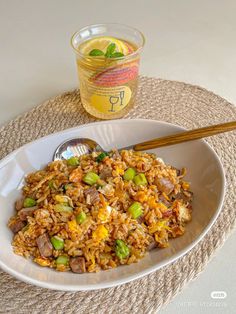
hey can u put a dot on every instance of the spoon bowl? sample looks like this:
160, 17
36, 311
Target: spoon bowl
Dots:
76, 147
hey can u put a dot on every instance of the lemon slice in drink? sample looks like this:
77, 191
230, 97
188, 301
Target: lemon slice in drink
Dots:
102, 43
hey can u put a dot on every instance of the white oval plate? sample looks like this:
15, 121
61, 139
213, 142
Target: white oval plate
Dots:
205, 173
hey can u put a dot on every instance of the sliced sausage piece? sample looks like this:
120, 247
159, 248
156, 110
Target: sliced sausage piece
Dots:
92, 195
105, 173
164, 185
44, 245
25, 212
16, 225
19, 204
77, 265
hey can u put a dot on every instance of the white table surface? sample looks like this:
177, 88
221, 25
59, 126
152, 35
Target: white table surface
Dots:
187, 40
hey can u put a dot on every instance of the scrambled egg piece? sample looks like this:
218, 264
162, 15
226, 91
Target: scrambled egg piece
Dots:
185, 185
104, 213
61, 198
152, 202
42, 261
158, 226
73, 226
141, 196
100, 233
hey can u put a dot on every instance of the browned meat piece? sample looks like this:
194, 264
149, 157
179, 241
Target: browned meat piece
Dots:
186, 196
164, 201
92, 195
146, 166
116, 154
152, 245
178, 172
140, 219
143, 165
77, 265
25, 212
19, 204
44, 245
164, 185
167, 213
105, 173
16, 225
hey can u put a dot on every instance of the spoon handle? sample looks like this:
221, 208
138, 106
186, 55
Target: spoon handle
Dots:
186, 136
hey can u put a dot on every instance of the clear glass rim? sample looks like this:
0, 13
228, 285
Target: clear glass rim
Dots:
136, 52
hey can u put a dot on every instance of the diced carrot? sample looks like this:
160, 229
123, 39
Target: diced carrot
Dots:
103, 201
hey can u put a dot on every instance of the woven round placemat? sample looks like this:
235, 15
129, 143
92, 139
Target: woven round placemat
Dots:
179, 103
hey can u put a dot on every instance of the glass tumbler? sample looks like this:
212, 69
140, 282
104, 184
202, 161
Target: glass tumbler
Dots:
108, 86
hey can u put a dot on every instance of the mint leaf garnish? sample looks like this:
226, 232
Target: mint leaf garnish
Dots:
110, 49
96, 52
117, 55
110, 52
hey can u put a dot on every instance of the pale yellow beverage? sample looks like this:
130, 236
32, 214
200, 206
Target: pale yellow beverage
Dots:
108, 74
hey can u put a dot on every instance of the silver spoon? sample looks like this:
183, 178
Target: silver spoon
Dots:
76, 147
82, 146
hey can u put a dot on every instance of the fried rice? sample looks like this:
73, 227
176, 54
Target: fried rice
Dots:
68, 219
